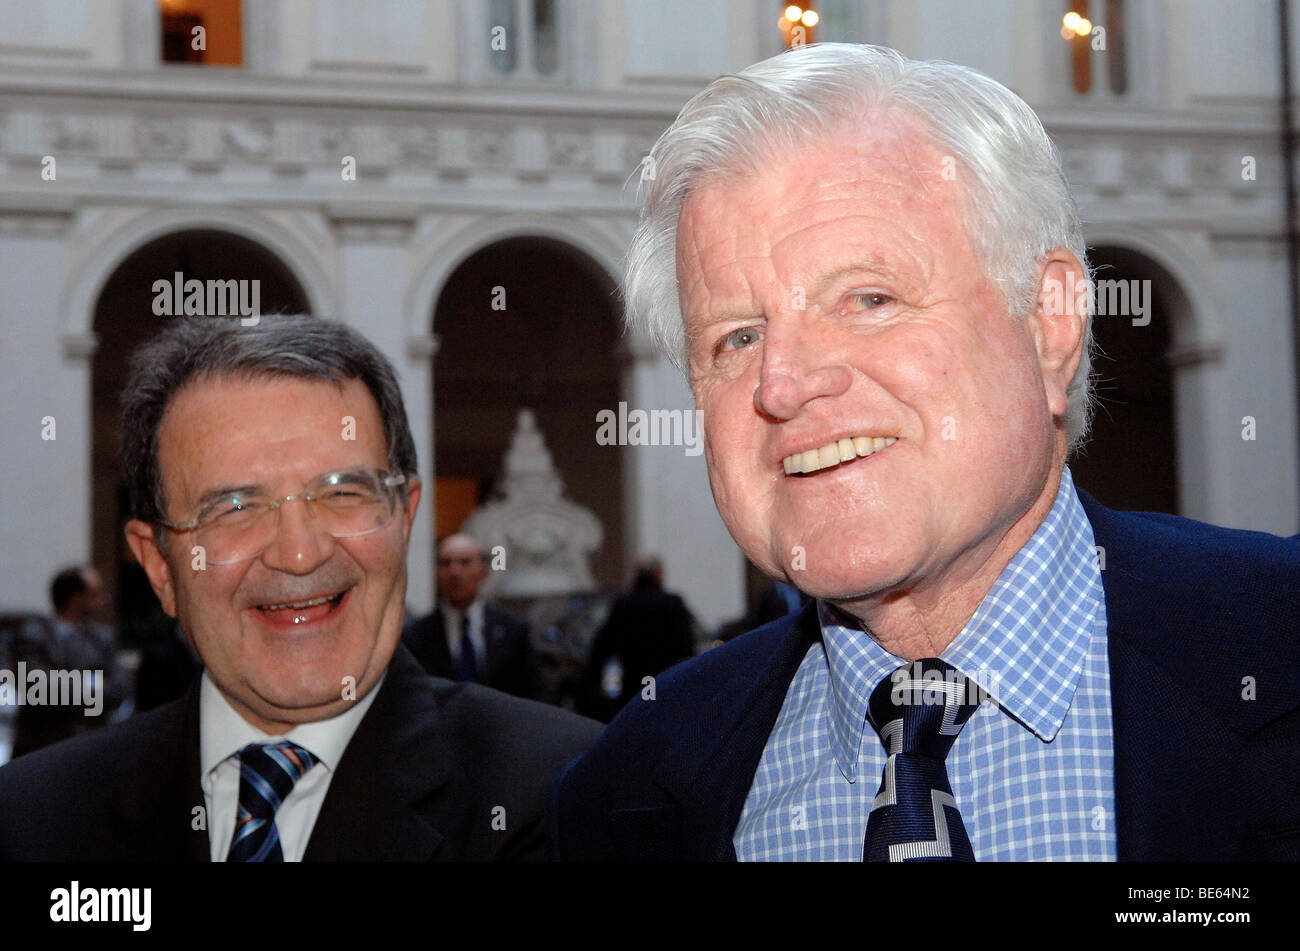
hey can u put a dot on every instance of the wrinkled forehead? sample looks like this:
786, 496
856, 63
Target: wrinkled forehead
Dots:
892, 159
896, 141
885, 200
246, 429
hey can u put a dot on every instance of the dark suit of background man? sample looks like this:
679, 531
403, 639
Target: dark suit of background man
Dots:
74, 639
273, 483
467, 639
647, 631
878, 278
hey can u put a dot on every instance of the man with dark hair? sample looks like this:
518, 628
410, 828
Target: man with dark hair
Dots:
74, 642
273, 483
465, 638
81, 583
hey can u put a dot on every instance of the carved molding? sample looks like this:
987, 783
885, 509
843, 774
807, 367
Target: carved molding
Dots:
35, 223
1183, 170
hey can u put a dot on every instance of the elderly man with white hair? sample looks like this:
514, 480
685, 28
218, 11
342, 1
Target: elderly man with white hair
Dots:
874, 274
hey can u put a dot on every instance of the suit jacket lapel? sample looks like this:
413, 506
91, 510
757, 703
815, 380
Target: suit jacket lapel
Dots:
492, 646
380, 801
163, 813
711, 780
1174, 752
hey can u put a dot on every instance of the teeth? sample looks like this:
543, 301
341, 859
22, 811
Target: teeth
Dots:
832, 454
299, 604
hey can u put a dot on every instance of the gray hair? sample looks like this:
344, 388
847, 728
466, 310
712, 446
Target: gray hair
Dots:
198, 348
1016, 204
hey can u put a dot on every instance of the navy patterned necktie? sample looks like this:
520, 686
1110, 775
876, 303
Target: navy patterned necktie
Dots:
266, 775
467, 664
918, 712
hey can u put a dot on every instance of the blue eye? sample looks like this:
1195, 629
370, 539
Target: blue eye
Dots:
739, 338
871, 300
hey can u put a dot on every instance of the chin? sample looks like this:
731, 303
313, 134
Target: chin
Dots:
295, 693
846, 573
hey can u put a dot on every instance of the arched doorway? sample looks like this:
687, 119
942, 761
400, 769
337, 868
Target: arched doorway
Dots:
528, 323
123, 319
1130, 460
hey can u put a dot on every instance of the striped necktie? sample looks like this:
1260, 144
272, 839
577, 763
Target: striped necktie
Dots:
266, 775
918, 712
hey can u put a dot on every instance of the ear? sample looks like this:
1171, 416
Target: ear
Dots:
412, 503
1059, 324
139, 535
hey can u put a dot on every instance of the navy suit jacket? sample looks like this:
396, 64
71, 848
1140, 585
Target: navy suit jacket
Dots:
1199, 620
419, 781
510, 666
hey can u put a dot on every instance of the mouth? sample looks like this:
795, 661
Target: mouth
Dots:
305, 611
839, 452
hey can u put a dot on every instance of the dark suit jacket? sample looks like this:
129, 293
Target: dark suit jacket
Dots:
1201, 773
648, 630
51, 644
419, 781
511, 665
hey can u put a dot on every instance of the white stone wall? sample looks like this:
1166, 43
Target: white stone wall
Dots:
452, 157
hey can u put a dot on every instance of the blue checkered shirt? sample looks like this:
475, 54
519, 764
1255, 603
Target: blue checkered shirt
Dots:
1033, 773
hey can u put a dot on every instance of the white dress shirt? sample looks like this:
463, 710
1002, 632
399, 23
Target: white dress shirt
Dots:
451, 625
223, 733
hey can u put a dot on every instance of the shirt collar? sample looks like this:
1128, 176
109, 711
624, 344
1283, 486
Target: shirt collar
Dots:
1025, 644
474, 612
223, 732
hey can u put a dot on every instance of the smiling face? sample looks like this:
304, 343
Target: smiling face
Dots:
285, 666
877, 427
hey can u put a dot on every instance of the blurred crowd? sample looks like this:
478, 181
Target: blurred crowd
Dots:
592, 655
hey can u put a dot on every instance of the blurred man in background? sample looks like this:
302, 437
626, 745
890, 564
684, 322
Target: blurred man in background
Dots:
467, 639
648, 630
74, 639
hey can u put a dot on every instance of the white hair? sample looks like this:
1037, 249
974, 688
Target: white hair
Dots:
1016, 203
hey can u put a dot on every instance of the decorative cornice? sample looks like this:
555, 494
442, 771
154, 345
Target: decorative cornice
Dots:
34, 222
200, 88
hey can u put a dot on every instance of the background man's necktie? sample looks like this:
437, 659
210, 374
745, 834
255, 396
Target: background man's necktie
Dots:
914, 816
467, 665
266, 774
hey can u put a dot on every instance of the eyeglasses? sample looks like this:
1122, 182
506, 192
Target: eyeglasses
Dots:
236, 523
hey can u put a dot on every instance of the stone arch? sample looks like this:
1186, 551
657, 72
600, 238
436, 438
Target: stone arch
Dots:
112, 249
121, 320
1198, 331
604, 249
554, 349
1184, 283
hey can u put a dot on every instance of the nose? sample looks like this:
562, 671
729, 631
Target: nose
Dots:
795, 372
301, 544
